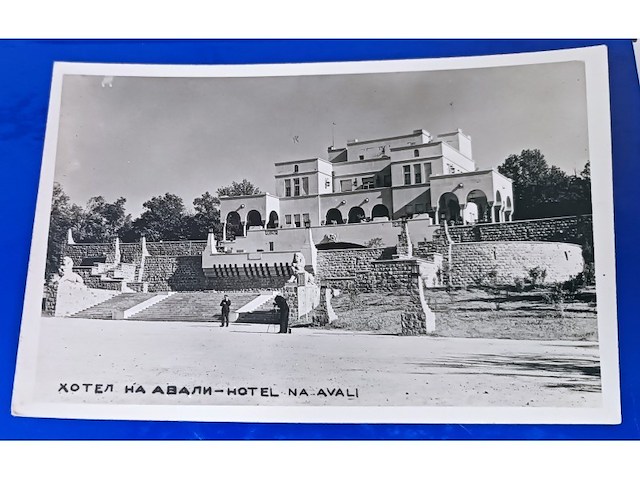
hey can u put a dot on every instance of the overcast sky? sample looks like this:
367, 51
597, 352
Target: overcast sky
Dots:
141, 137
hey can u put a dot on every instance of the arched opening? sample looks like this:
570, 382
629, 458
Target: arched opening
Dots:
481, 213
334, 217
497, 206
254, 219
508, 210
274, 221
380, 211
449, 208
356, 215
416, 153
234, 225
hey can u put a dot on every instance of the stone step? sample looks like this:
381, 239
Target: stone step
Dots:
120, 302
193, 306
261, 317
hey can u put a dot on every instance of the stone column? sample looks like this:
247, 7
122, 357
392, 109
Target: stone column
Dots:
418, 319
224, 231
211, 242
491, 212
463, 209
404, 247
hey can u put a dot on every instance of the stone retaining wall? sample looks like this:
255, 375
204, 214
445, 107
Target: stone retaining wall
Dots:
574, 229
346, 263
184, 273
504, 262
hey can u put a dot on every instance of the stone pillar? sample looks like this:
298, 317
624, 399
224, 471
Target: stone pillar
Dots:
224, 231
404, 247
491, 212
418, 319
290, 294
143, 246
211, 242
70, 240
116, 251
463, 209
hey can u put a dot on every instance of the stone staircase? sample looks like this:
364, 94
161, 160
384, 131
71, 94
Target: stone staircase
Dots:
193, 307
120, 302
259, 311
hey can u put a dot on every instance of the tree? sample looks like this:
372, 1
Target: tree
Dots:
102, 220
64, 215
237, 189
206, 216
543, 191
163, 219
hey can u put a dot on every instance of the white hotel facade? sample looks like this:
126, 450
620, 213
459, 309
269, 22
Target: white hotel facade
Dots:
356, 193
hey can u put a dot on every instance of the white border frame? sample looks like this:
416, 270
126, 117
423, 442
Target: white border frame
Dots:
599, 127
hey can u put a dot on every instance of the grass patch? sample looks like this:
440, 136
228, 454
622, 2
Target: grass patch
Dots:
477, 313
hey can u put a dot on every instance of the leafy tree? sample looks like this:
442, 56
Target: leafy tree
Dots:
245, 187
163, 219
102, 220
206, 216
542, 191
64, 215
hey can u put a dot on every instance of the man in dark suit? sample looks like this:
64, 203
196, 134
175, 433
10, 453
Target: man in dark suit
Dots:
282, 305
226, 307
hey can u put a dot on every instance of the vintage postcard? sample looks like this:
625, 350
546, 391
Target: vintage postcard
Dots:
420, 241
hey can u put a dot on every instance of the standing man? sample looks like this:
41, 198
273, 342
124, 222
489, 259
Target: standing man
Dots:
226, 307
284, 313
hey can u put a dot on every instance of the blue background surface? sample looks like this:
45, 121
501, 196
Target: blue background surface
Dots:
25, 75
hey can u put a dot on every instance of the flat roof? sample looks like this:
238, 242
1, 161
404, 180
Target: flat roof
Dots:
407, 135
306, 160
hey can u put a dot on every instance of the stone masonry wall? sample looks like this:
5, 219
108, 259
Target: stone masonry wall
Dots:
131, 252
334, 265
389, 276
503, 262
184, 273
562, 229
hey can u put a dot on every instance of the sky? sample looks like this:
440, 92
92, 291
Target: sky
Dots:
138, 137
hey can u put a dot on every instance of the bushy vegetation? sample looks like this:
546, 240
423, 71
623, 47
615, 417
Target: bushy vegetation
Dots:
165, 217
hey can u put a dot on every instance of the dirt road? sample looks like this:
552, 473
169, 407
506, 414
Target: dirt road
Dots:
246, 365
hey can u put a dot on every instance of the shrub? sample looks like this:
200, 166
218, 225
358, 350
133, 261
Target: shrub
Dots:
556, 297
589, 273
374, 243
536, 276
518, 284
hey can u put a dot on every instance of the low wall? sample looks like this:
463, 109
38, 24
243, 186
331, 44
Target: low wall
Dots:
132, 252
576, 229
503, 262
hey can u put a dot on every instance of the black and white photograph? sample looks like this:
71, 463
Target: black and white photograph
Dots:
411, 241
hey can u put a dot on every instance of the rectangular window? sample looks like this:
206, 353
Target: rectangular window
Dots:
306, 219
361, 157
305, 185
367, 182
296, 187
296, 219
427, 171
407, 174
387, 181
287, 187
287, 219
417, 173
271, 246
346, 185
